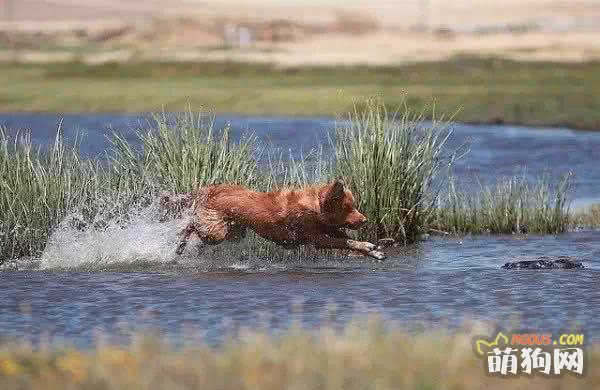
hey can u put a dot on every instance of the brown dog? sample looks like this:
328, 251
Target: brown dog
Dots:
314, 215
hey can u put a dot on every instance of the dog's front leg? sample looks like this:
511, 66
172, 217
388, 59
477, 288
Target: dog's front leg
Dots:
326, 242
341, 233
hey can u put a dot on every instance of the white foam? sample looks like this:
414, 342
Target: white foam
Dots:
141, 238
240, 266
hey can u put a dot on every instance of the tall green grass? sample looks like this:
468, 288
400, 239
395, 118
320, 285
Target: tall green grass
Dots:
390, 162
180, 156
511, 206
285, 172
37, 188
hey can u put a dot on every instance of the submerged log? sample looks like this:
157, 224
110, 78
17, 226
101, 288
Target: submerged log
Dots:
545, 262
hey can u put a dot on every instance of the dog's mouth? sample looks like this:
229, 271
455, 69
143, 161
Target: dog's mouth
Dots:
354, 226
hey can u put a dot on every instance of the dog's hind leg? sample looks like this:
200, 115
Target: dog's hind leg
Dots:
208, 225
214, 233
212, 228
185, 236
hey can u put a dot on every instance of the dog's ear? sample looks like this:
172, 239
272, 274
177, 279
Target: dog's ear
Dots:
337, 189
333, 193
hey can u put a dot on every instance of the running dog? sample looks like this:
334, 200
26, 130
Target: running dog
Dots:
316, 215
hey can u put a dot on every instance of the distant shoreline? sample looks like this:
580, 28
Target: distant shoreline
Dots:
475, 90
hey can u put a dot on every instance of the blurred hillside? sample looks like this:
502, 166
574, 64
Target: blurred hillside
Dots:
297, 32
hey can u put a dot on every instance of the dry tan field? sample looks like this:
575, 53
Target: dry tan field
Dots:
298, 32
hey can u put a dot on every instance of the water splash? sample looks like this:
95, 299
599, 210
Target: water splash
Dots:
139, 240
111, 240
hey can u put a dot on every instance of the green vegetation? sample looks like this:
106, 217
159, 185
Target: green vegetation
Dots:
179, 158
37, 189
389, 162
361, 356
389, 165
511, 206
485, 90
588, 218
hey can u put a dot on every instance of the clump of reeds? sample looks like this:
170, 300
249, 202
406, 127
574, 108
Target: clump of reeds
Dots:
359, 356
511, 206
285, 172
37, 188
178, 157
389, 162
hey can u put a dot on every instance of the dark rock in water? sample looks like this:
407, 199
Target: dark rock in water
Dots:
545, 262
520, 229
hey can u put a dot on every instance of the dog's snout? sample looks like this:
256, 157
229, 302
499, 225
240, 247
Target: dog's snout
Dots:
362, 221
356, 220
361, 218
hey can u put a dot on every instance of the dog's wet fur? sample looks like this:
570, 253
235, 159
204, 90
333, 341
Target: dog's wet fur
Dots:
545, 262
317, 215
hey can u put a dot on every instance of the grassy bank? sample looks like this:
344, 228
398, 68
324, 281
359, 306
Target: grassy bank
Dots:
390, 166
486, 90
357, 357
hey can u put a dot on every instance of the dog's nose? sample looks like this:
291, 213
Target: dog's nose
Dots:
356, 220
361, 221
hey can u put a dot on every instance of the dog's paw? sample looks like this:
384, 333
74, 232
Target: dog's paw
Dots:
367, 246
377, 255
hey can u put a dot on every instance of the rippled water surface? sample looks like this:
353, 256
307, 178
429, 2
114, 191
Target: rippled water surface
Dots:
439, 281
101, 283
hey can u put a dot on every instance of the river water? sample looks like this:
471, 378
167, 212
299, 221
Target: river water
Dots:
101, 283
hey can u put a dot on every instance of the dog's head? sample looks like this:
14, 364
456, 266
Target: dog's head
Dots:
337, 206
